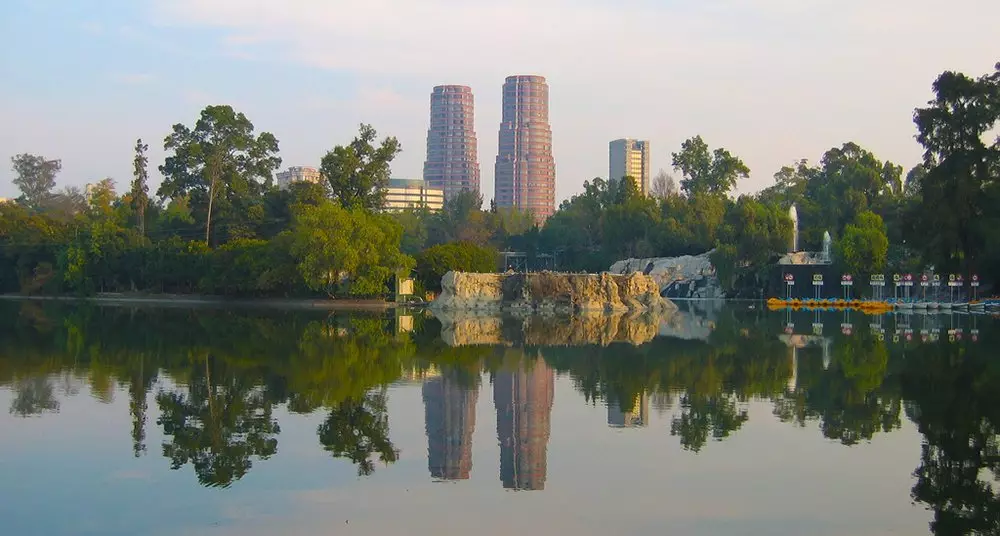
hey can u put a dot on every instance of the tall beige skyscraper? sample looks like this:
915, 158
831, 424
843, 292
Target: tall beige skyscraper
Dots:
525, 173
452, 151
630, 158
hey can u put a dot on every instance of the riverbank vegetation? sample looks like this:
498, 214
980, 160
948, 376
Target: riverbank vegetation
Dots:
217, 224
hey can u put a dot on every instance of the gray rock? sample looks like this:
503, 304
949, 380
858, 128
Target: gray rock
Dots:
689, 276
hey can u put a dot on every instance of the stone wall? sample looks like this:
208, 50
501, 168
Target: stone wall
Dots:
550, 292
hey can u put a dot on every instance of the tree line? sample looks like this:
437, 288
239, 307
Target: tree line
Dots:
217, 223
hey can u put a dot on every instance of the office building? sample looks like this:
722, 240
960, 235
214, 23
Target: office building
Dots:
297, 174
630, 158
450, 419
525, 173
452, 163
412, 193
523, 400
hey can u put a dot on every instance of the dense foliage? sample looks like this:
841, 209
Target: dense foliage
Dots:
436, 261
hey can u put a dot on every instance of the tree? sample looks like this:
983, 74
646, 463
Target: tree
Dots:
863, 248
359, 173
959, 192
66, 204
438, 260
663, 185
705, 171
35, 177
220, 159
100, 197
346, 251
462, 219
140, 190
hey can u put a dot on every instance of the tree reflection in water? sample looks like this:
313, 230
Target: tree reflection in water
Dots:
219, 375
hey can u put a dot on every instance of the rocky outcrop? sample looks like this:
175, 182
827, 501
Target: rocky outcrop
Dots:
465, 328
689, 276
550, 292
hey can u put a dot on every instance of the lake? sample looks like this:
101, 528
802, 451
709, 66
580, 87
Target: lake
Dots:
722, 419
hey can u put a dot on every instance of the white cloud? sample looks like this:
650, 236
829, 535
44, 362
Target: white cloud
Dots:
772, 80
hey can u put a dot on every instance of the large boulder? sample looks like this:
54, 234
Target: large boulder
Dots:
688, 276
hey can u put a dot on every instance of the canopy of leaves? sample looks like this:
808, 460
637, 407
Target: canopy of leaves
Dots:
341, 251
706, 171
222, 166
358, 173
438, 260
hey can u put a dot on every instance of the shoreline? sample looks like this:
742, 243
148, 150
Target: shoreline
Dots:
190, 300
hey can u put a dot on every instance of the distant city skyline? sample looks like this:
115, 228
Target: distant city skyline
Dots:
771, 81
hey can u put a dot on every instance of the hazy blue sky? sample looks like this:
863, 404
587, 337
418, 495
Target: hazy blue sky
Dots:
771, 80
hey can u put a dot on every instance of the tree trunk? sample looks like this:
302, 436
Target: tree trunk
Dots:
208, 220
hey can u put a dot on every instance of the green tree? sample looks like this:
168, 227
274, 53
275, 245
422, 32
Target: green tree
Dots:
140, 190
462, 219
438, 260
959, 192
704, 171
101, 197
35, 176
359, 172
219, 161
863, 248
350, 251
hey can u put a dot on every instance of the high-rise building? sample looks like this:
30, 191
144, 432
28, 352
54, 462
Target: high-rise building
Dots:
402, 194
523, 400
450, 419
452, 161
525, 173
630, 158
297, 174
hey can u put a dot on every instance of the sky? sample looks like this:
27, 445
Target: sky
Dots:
773, 81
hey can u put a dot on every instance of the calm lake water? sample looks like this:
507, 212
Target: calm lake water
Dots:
719, 420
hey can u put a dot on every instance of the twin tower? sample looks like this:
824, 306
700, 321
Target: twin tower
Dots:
525, 173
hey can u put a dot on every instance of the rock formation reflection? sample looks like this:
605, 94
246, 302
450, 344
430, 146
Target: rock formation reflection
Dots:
465, 328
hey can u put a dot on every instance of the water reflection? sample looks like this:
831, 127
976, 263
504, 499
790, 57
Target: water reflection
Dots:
523, 398
450, 419
213, 382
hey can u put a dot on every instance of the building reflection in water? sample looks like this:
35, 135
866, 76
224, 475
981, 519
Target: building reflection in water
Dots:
636, 416
523, 400
450, 419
